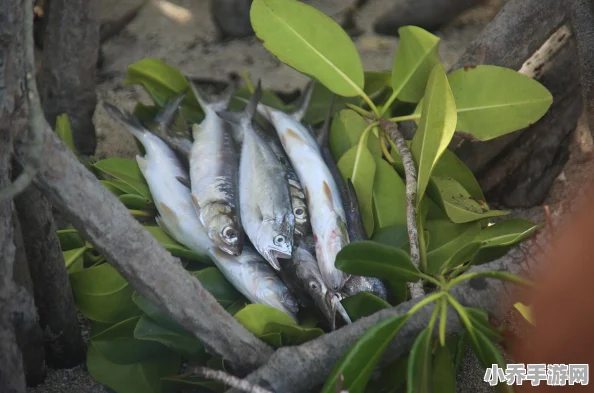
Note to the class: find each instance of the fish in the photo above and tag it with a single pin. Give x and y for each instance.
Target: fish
(214, 171)
(302, 275)
(326, 212)
(298, 202)
(174, 135)
(249, 273)
(265, 204)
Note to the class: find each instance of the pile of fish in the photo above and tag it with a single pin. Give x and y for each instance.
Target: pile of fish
(260, 195)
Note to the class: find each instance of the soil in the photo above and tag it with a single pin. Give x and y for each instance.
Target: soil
(181, 33)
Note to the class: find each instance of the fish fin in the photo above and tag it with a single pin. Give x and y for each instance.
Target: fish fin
(221, 103)
(324, 133)
(167, 115)
(166, 212)
(131, 122)
(303, 101)
(247, 116)
(352, 205)
(343, 313)
(184, 181)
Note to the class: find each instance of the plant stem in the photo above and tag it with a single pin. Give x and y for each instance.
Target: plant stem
(404, 118)
(431, 279)
(410, 171)
(247, 80)
(424, 302)
(498, 275)
(385, 151)
(359, 110)
(443, 320)
(390, 101)
(370, 103)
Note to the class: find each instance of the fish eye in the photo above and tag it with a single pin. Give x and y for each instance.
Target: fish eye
(229, 233)
(279, 239)
(299, 212)
(313, 285)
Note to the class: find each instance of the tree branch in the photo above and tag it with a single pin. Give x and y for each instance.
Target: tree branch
(410, 171)
(228, 379)
(304, 368)
(148, 267)
(582, 20)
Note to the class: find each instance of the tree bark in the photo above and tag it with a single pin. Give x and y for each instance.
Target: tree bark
(67, 80)
(13, 308)
(53, 295)
(30, 340)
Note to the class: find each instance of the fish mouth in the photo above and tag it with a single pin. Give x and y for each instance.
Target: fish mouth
(234, 250)
(331, 306)
(274, 255)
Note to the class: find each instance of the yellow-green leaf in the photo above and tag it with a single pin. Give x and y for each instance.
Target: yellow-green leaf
(64, 131)
(389, 195)
(309, 41)
(345, 132)
(525, 311)
(436, 128)
(127, 171)
(416, 56)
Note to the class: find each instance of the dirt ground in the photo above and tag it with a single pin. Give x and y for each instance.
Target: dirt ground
(181, 33)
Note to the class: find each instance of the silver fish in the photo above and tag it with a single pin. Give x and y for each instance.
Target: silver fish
(302, 275)
(266, 213)
(324, 204)
(298, 202)
(176, 136)
(249, 273)
(214, 175)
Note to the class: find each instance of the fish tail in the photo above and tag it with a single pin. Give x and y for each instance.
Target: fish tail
(166, 116)
(131, 122)
(246, 117)
(302, 103)
(220, 104)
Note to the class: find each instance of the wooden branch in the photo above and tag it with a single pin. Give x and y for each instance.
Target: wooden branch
(30, 340)
(53, 294)
(229, 380)
(582, 20)
(428, 14)
(410, 171)
(67, 79)
(286, 370)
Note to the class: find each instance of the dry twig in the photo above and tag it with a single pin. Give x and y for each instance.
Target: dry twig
(229, 380)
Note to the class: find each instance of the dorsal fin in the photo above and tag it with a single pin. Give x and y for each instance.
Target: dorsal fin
(302, 103)
(166, 116)
(247, 116)
(324, 133)
(207, 104)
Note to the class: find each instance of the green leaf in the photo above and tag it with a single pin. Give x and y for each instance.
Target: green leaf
(488, 354)
(72, 257)
(70, 239)
(436, 128)
(137, 202)
(494, 101)
(142, 377)
(309, 41)
(371, 259)
(164, 82)
(419, 364)
(376, 82)
(442, 253)
(358, 164)
(101, 294)
(443, 231)
(127, 171)
(293, 334)
(392, 378)
(416, 56)
(98, 327)
(123, 188)
(345, 133)
(64, 131)
(444, 374)
(155, 314)
(498, 238)
(389, 195)
(214, 282)
(236, 306)
(449, 165)
(358, 362)
(395, 236)
(363, 304)
(480, 321)
(318, 104)
(191, 382)
(175, 248)
(457, 202)
(255, 317)
(181, 343)
(463, 255)
(118, 345)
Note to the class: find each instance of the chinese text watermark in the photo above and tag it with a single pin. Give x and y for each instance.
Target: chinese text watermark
(551, 374)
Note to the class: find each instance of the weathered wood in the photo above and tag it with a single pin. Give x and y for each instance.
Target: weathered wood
(53, 295)
(30, 341)
(428, 14)
(67, 80)
(582, 21)
(12, 112)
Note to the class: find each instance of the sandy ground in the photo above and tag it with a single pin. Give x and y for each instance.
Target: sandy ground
(181, 33)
